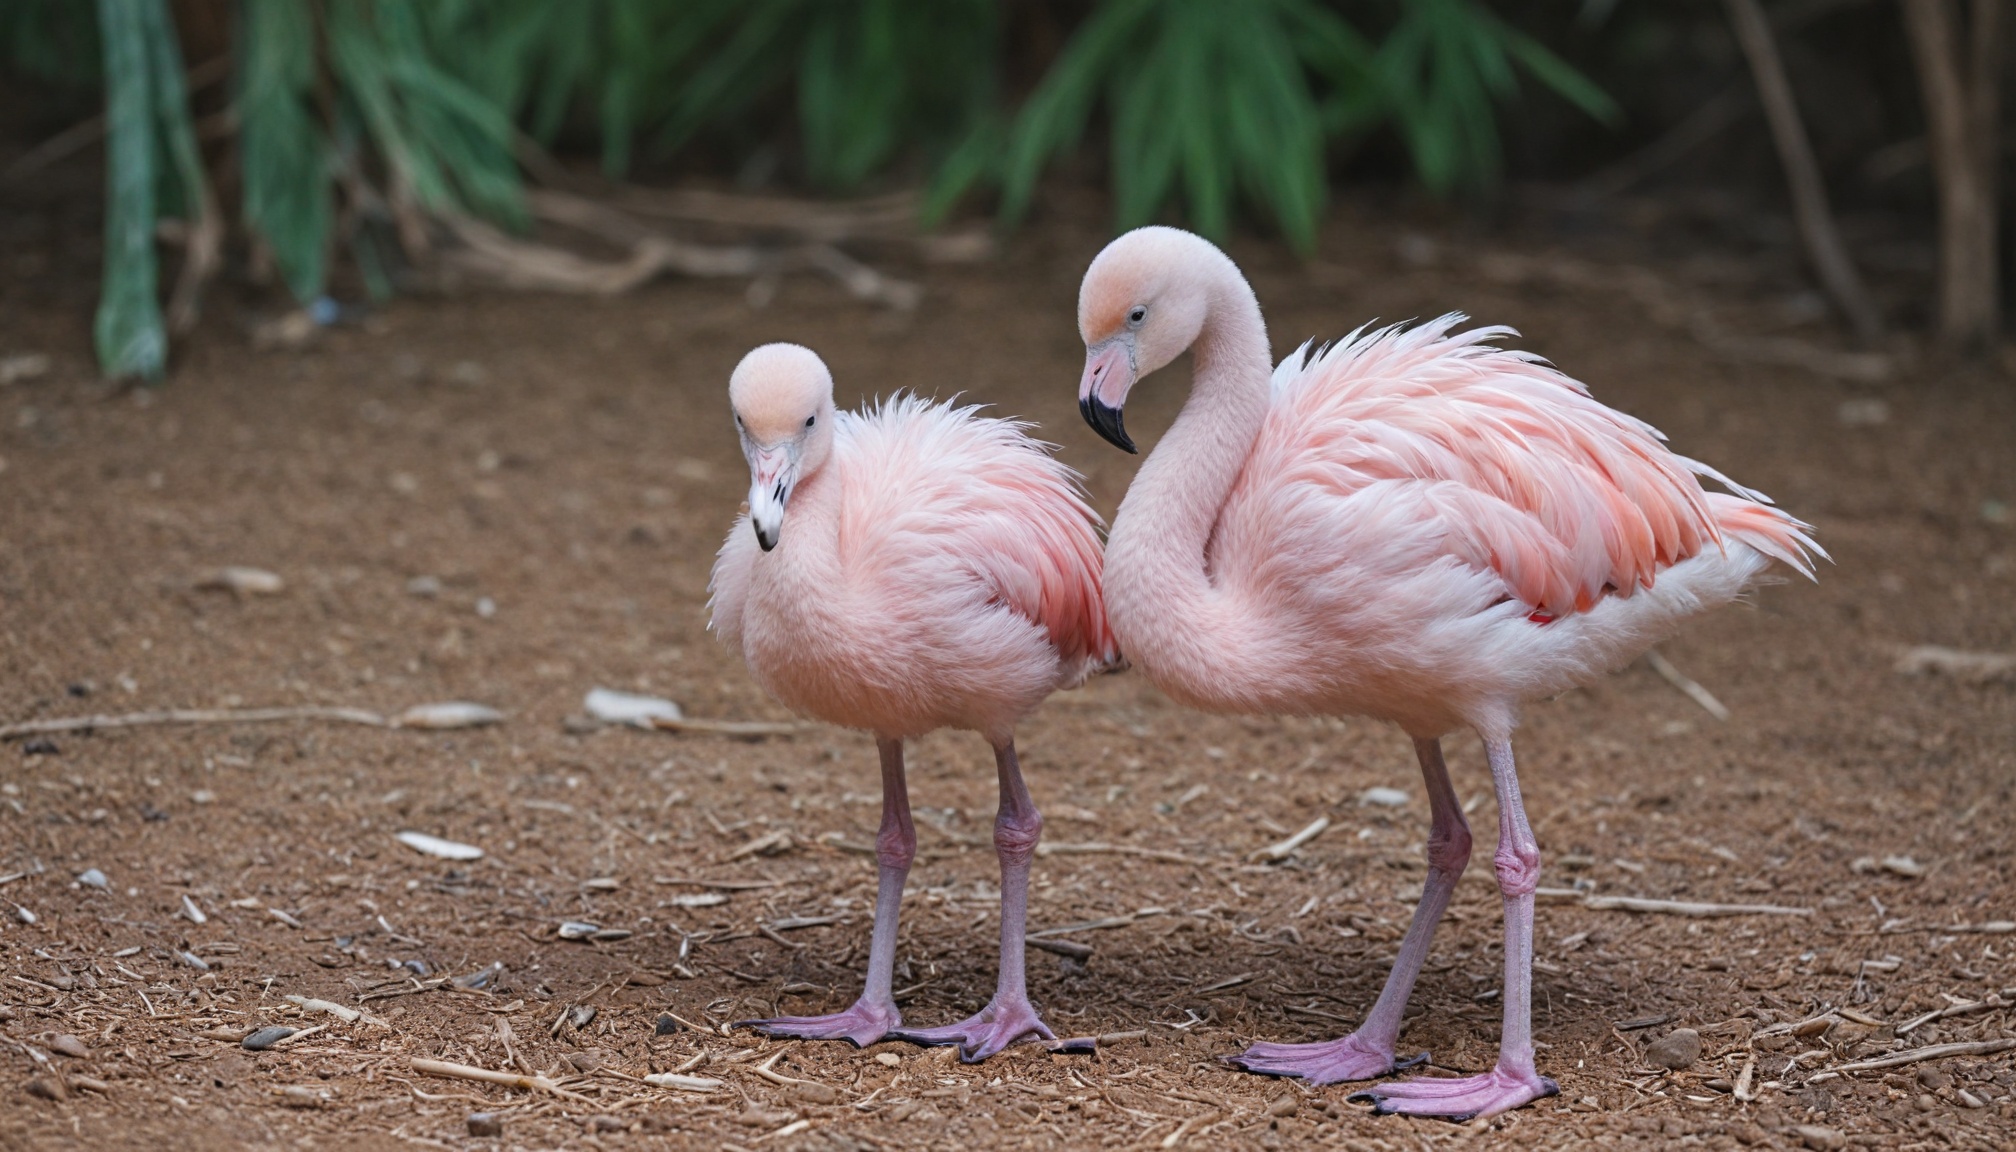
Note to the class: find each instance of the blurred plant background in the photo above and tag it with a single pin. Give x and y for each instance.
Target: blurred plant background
(316, 140)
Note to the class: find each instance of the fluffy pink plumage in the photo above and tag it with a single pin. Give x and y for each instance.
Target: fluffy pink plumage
(1510, 463)
(941, 570)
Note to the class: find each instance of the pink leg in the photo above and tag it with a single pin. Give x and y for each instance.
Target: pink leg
(874, 1016)
(1368, 1052)
(1009, 1016)
(1514, 1081)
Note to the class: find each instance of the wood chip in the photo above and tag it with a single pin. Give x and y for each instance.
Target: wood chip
(243, 581)
(613, 707)
(683, 1083)
(448, 715)
(1070, 948)
(772, 844)
(439, 848)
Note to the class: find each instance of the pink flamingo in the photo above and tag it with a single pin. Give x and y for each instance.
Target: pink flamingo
(1412, 525)
(941, 571)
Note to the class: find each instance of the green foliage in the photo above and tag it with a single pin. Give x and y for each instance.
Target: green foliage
(1203, 95)
(1445, 68)
(1206, 97)
(871, 76)
(146, 113)
(286, 153)
(446, 146)
(400, 109)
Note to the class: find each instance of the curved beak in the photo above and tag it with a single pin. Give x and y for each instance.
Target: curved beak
(773, 472)
(1102, 391)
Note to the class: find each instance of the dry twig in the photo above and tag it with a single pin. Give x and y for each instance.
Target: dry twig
(1286, 848)
(485, 1075)
(1916, 1055)
(1693, 690)
(1666, 907)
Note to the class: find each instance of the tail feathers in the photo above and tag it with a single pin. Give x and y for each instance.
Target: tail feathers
(1768, 530)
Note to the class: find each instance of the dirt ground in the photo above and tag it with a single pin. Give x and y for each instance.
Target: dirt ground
(514, 499)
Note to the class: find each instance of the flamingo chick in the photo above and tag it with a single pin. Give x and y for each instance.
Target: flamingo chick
(1413, 525)
(938, 570)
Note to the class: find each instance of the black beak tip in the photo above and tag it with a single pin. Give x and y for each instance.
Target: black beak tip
(764, 540)
(1107, 422)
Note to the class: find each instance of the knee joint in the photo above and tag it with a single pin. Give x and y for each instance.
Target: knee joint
(1015, 837)
(895, 848)
(1449, 848)
(1518, 867)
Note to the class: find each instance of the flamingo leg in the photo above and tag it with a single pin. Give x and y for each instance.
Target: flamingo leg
(875, 1015)
(1515, 1080)
(1368, 1052)
(1009, 1016)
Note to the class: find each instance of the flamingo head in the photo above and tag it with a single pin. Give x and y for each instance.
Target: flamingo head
(1143, 303)
(783, 400)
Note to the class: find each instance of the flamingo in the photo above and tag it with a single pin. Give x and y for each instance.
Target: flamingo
(1412, 525)
(941, 570)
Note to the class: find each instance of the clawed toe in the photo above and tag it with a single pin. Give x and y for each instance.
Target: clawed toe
(860, 1025)
(991, 1031)
(1459, 1098)
(1331, 1062)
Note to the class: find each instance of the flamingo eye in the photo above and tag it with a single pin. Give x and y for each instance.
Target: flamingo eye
(809, 419)
(1135, 317)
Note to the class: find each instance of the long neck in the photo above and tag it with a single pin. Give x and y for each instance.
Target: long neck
(1159, 593)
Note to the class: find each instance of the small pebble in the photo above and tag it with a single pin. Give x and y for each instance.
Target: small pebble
(1818, 1138)
(666, 1026)
(1932, 1079)
(1283, 1106)
(1676, 1050)
(578, 930)
(1383, 798)
(93, 878)
(608, 1124)
(581, 1015)
(47, 1089)
(427, 588)
(39, 746)
(583, 1061)
(813, 1092)
(486, 1124)
(193, 961)
(888, 1059)
(265, 1038)
(68, 1045)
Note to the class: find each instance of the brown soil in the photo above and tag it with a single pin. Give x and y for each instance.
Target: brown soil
(569, 463)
